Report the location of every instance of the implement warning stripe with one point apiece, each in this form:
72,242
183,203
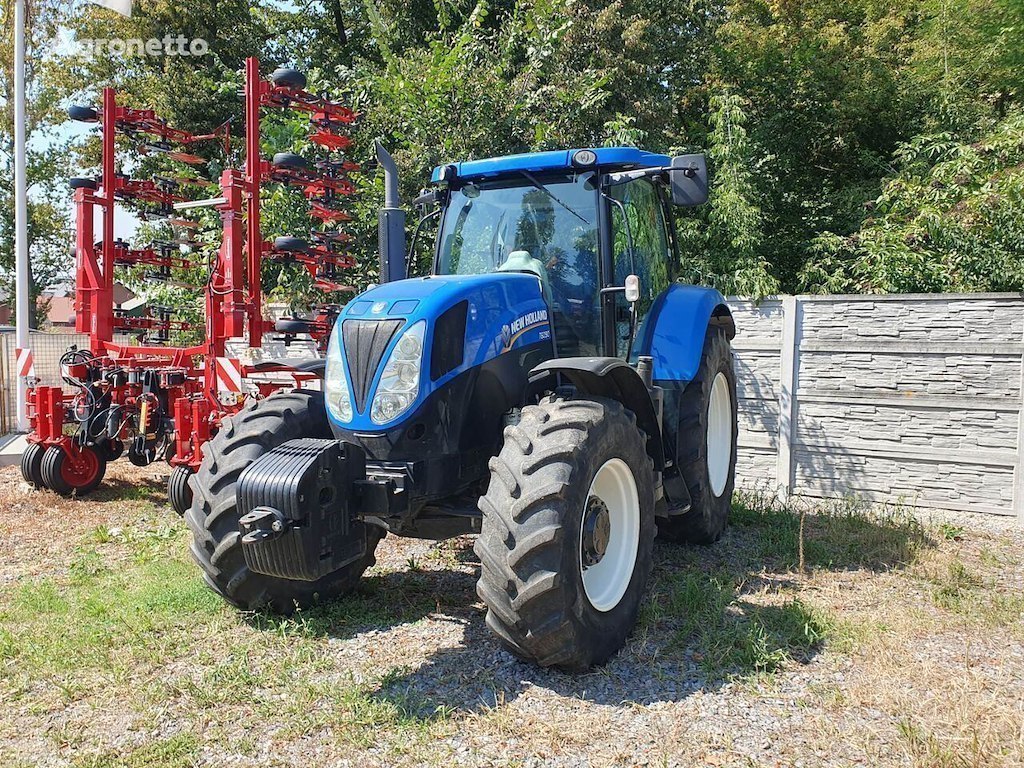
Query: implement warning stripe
26,363
229,374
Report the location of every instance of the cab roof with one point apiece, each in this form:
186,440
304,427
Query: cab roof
620,158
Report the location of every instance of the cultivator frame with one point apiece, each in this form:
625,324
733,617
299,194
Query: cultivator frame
167,402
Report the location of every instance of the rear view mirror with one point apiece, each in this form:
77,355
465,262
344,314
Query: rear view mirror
689,177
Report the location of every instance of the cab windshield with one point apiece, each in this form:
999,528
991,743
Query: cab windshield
542,225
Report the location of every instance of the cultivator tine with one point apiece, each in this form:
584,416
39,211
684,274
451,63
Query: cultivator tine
188,159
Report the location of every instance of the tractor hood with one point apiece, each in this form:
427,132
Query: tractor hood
396,344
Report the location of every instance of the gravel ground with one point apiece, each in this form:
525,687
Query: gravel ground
917,658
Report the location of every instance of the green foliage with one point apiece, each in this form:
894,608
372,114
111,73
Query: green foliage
948,220
723,242
854,145
46,160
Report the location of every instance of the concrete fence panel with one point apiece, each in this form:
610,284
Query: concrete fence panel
889,398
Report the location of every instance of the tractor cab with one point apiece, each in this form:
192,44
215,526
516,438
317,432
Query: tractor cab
582,221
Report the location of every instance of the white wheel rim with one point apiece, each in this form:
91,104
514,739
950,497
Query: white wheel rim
719,434
606,581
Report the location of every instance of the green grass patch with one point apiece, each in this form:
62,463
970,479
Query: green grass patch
836,534
104,618
730,636
132,621
951,532
965,593
179,751
122,607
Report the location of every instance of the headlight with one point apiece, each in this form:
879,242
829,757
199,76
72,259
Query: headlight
399,384
336,391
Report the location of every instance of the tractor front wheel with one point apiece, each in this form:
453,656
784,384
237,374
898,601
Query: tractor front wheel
568,531
213,517
73,471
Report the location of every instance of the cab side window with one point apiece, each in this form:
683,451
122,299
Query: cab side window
650,256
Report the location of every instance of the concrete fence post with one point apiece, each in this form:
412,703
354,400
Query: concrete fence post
789,364
1018,470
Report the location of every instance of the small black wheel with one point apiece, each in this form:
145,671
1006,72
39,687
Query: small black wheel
32,464
79,182
567,535
83,114
283,77
213,517
112,449
178,490
291,245
141,457
292,325
707,445
76,471
290,160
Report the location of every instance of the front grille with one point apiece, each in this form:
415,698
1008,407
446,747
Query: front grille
365,344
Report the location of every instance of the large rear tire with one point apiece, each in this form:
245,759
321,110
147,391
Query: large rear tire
567,533
707,445
213,517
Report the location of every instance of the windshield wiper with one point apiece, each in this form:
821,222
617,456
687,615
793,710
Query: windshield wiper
530,178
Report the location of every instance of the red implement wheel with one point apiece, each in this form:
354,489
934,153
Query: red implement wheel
74,470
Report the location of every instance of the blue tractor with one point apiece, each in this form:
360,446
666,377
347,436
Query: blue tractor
548,386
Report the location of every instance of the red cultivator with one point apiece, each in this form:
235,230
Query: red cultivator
159,402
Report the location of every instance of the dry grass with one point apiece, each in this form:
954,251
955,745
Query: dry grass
900,644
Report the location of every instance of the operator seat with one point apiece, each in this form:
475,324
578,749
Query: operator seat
522,261
566,341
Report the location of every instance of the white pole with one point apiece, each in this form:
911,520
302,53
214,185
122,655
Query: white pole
21,293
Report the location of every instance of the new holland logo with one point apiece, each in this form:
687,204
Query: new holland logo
510,332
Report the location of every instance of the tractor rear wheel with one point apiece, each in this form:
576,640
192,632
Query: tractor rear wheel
178,491
213,517
32,464
77,471
707,445
567,533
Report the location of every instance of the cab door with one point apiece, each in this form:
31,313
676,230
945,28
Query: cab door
637,215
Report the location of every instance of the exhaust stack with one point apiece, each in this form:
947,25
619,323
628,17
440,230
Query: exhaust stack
391,222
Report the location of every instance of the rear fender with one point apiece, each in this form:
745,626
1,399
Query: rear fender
614,379
673,331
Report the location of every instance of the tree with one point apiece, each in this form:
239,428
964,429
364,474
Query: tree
949,220
723,242
46,166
